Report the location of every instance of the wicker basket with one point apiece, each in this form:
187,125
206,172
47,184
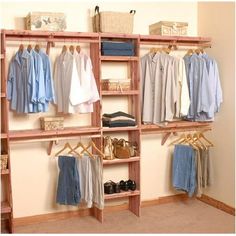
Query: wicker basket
52,123
169,28
116,85
4,159
113,22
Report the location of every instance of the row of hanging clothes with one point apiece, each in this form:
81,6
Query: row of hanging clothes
31,85
179,87
192,168
80,179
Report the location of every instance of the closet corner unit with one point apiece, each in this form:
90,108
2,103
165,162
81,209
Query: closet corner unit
6,198
132,96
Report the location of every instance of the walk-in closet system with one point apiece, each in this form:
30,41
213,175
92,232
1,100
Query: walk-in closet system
95,129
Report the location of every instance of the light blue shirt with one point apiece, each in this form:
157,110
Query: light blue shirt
21,81
48,80
200,91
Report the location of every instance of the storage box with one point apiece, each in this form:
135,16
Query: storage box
52,123
4,158
46,21
169,28
116,84
113,22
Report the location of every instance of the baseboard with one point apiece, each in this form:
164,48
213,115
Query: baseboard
28,220
108,209
163,200
217,204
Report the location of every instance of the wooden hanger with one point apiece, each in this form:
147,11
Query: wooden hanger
29,48
198,51
155,50
189,52
201,135
64,49
78,48
92,144
178,140
67,145
37,47
72,49
79,144
197,139
21,47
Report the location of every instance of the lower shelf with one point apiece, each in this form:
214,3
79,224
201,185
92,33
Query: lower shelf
121,194
5,207
120,161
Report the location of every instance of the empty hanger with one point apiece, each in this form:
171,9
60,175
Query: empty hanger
67,145
79,144
92,144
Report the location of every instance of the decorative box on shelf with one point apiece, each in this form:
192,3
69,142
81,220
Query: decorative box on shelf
49,21
169,28
4,158
116,84
52,123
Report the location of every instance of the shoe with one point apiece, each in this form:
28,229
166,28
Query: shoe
108,188
132,185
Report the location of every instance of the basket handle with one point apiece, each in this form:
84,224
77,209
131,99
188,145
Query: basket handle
132,12
96,10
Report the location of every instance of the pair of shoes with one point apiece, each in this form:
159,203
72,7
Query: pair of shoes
128,185
111,187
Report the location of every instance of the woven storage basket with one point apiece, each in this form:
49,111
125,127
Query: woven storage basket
4,159
52,123
116,85
113,22
169,28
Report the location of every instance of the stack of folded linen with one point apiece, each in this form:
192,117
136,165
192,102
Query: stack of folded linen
118,119
117,48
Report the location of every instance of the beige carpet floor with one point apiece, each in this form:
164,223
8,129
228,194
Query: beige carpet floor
190,216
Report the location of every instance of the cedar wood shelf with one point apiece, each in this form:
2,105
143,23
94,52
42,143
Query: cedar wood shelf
120,161
121,194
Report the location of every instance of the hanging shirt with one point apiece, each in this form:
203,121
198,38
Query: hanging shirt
158,85
38,91
48,80
182,92
21,83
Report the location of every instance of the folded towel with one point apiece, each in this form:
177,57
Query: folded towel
112,52
118,45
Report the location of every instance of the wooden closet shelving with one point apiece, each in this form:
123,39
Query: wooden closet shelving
133,96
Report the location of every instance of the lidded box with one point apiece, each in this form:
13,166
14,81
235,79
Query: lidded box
52,123
50,21
169,28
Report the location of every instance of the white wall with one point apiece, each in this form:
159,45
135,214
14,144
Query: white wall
218,21
34,174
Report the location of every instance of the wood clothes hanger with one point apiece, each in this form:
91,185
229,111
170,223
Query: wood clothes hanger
209,143
72,49
92,144
37,47
178,140
79,144
78,48
198,51
29,48
64,49
155,50
21,48
190,52
67,145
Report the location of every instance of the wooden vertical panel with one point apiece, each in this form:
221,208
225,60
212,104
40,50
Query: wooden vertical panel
98,214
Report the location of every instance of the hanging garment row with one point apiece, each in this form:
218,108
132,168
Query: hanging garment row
80,178
192,168
75,85
179,87
30,85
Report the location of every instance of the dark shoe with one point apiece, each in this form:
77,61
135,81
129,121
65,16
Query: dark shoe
108,188
132,184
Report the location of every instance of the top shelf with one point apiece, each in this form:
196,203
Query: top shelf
97,37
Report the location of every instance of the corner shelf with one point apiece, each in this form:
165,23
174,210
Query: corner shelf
122,194
120,161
